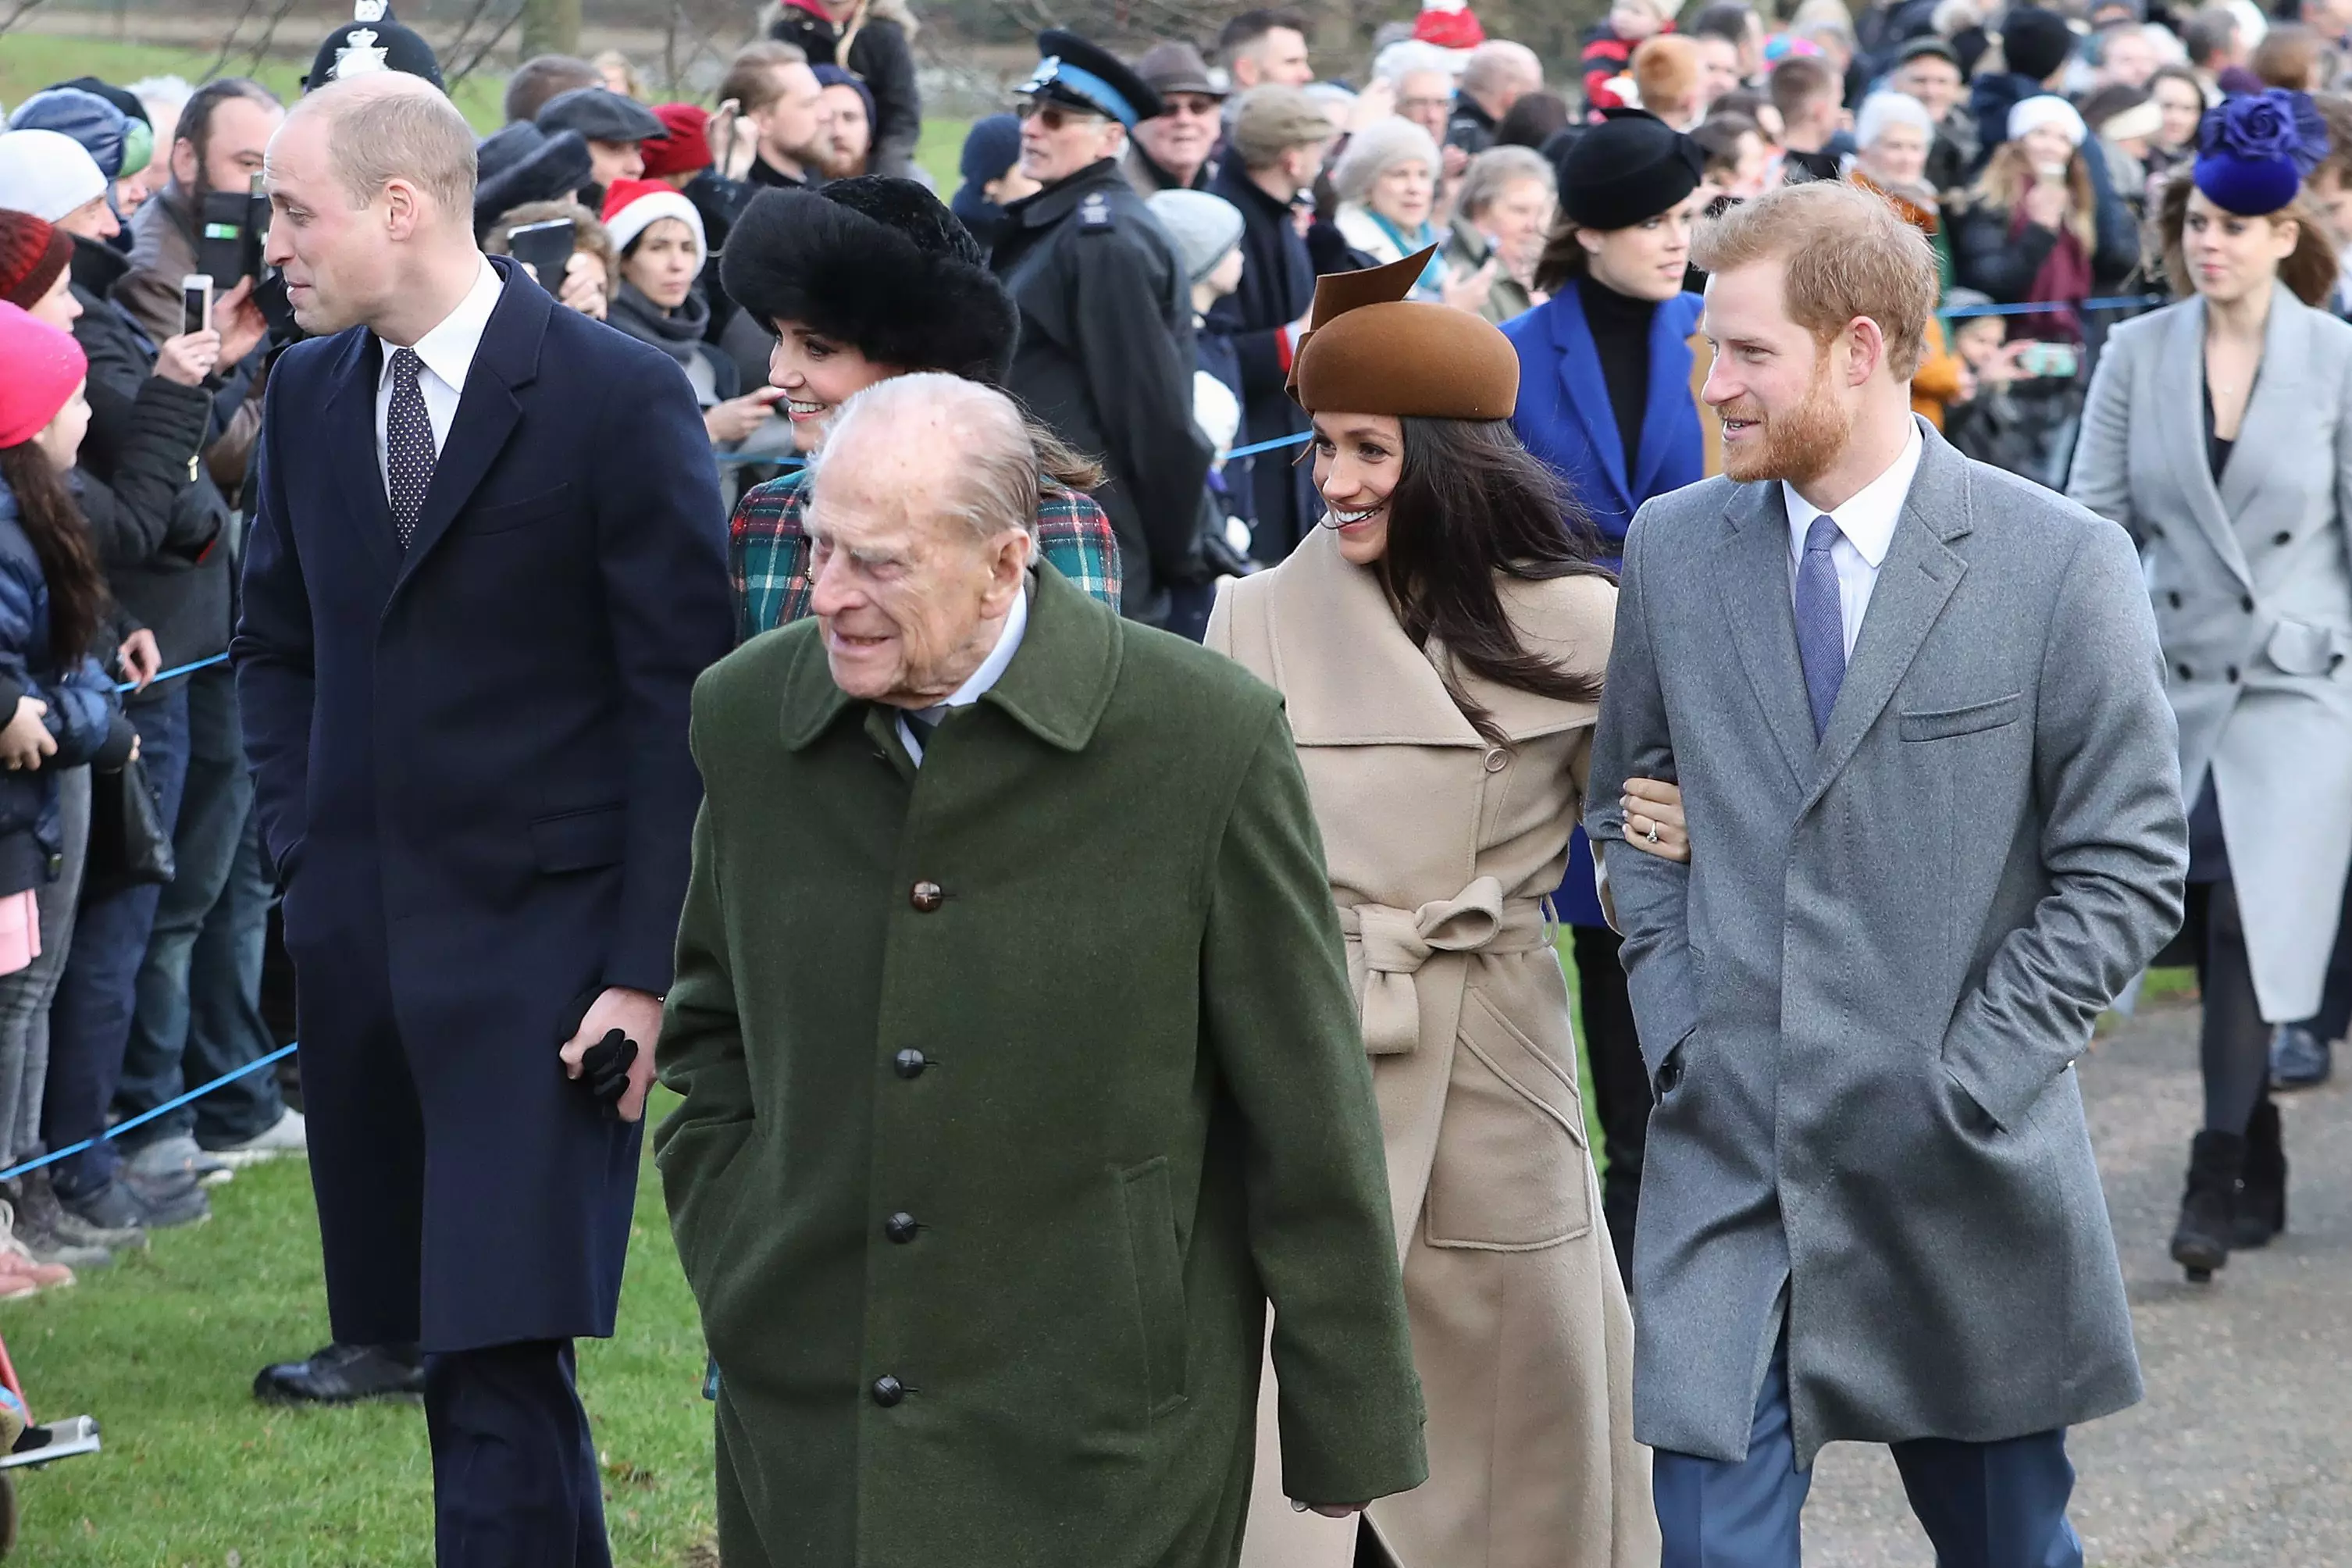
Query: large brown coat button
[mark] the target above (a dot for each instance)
(927, 896)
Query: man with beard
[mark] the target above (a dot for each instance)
(1916, 712)
(218, 146)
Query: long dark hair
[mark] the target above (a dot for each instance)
(77, 584)
(1471, 502)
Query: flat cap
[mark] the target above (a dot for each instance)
(558, 166)
(600, 114)
(1370, 350)
(1273, 119)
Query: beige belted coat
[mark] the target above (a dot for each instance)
(1441, 849)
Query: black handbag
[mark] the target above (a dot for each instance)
(129, 845)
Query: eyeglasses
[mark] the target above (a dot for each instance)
(1054, 116)
(1422, 105)
(1197, 105)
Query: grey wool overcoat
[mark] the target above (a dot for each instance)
(2251, 581)
(1862, 999)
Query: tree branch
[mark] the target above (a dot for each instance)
(474, 61)
(228, 39)
(18, 11)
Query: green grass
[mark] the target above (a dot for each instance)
(31, 61)
(162, 1348)
(939, 151)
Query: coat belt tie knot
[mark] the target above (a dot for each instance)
(1388, 946)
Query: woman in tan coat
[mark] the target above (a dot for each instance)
(1439, 643)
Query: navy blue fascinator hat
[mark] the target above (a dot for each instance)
(2255, 150)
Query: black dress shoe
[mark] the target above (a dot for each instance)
(344, 1374)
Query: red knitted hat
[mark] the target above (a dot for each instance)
(1448, 24)
(686, 149)
(39, 368)
(33, 253)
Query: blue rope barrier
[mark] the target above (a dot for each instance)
(2045, 307)
(120, 1128)
(175, 673)
(1255, 447)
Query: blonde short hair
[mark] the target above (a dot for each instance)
(1844, 252)
(388, 125)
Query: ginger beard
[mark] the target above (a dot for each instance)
(1797, 444)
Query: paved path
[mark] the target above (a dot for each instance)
(2242, 1454)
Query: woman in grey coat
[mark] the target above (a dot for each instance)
(2219, 430)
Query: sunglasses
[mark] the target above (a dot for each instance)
(1193, 104)
(1054, 116)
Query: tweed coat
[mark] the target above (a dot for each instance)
(1861, 1000)
(1022, 1081)
(1442, 848)
(2251, 581)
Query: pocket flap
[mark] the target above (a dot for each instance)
(1945, 722)
(522, 513)
(579, 840)
(2299, 647)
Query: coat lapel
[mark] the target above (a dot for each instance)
(350, 426)
(1348, 675)
(488, 411)
(2180, 367)
(1586, 393)
(1669, 403)
(1752, 575)
(2278, 389)
(1915, 581)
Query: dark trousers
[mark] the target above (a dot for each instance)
(1983, 1505)
(1620, 1083)
(198, 1010)
(515, 1483)
(2334, 1015)
(90, 1021)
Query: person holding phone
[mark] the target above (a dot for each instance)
(2219, 430)
(2037, 230)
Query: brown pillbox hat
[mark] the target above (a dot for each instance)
(1274, 118)
(1370, 350)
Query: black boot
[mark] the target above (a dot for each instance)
(2200, 1242)
(2261, 1195)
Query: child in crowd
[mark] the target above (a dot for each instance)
(1986, 422)
(1208, 233)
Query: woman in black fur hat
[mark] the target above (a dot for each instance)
(861, 280)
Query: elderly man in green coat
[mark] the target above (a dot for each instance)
(1019, 1064)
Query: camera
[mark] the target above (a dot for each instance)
(230, 231)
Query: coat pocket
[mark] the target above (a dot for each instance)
(1945, 723)
(508, 516)
(579, 840)
(1149, 1209)
(2299, 647)
(1510, 1174)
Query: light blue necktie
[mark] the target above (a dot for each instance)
(1821, 622)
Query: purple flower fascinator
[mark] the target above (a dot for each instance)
(2254, 149)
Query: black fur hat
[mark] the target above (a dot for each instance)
(881, 264)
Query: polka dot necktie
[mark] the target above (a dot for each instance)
(409, 453)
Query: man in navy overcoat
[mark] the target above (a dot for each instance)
(488, 563)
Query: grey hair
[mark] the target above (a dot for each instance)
(1377, 148)
(388, 125)
(1497, 170)
(995, 485)
(1493, 63)
(1401, 60)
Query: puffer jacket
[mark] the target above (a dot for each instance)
(84, 717)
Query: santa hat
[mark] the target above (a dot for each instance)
(43, 364)
(631, 206)
(1448, 24)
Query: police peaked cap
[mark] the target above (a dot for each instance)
(381, 45)
(1088, 76)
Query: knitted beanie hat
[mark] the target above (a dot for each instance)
(34, 255)
(39, 368)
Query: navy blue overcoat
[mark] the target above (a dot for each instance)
(471, 768)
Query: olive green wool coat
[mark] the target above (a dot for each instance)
(1022, 1081)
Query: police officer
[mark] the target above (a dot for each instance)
(1105, 357)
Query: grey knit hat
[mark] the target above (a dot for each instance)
(1205, 227)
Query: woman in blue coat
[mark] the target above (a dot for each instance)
(1606, 399)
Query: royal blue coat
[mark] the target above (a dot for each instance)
(1564, 418)
(471, 769)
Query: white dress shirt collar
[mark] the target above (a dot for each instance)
(977, 684)
(450, 348)
(1868, 518)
